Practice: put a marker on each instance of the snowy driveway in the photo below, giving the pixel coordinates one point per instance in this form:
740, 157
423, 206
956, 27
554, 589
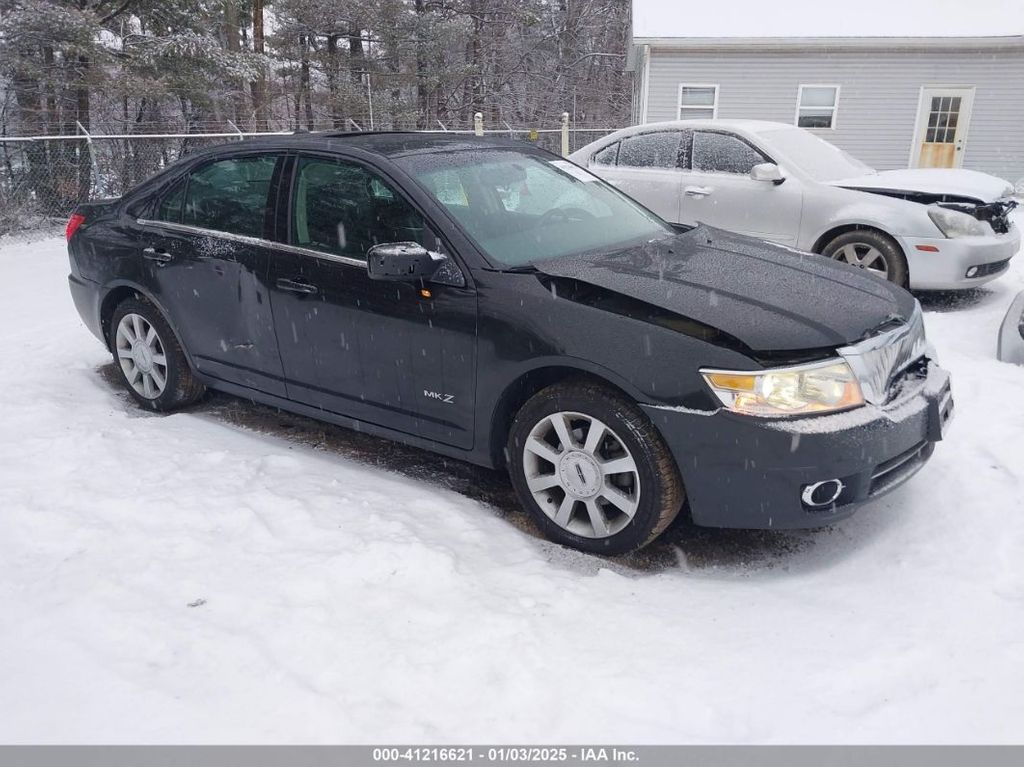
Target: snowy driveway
235, 575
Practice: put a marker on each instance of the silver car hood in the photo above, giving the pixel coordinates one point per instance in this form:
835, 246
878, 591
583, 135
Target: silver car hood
940, 181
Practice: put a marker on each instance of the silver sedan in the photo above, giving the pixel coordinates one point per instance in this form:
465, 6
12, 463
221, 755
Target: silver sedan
931, 229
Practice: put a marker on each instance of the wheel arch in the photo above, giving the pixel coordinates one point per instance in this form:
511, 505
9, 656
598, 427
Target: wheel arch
529, 382
116, 293
830, 234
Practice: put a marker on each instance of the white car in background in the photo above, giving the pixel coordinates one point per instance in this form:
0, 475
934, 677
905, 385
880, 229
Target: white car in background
929, 229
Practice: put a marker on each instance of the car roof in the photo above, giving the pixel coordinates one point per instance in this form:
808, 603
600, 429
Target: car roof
741, 127
384, 143
752, 126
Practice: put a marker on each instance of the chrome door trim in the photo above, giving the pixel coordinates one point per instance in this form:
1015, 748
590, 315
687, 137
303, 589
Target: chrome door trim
256, 241
301, 251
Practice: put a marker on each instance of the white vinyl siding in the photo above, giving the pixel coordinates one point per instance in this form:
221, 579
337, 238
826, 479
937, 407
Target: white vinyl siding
880, 96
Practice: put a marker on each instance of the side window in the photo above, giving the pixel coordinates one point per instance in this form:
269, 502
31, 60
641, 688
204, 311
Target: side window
346, 209
651, 150
606, 156
171, 204
230, 195
723, 153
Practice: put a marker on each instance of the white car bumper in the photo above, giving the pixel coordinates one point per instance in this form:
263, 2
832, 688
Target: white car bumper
938, 263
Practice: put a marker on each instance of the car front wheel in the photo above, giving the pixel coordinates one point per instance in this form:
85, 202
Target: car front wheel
149, 358
592, 470
871, 251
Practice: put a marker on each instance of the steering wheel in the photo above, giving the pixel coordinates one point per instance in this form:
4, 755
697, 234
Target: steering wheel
566, 214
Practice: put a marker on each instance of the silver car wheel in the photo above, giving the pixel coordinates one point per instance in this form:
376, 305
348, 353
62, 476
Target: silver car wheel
865, 256
141, 355
581, 474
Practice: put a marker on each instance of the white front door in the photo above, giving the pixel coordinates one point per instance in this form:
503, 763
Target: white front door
943, 117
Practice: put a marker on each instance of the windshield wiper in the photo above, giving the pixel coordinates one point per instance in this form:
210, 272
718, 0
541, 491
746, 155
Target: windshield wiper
525, 269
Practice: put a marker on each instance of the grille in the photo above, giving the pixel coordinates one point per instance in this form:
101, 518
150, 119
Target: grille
878, 360
894, 472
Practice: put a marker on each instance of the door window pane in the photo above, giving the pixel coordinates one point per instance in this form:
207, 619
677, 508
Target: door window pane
817, 106
942, 120
651, 150
724, 153
346, 209
230, 195
607, 155
170, 205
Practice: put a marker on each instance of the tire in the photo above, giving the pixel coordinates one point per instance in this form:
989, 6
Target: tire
560, 491
861, 245
136, 318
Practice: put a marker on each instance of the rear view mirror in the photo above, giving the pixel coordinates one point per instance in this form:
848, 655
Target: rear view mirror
402, 261
1011, 333
767, 171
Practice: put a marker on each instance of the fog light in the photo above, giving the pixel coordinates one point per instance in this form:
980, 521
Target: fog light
972, 271
822, 493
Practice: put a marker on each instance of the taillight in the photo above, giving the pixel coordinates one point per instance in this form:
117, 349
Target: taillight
76, 220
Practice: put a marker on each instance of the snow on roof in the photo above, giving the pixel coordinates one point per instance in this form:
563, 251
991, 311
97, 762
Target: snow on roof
792, 19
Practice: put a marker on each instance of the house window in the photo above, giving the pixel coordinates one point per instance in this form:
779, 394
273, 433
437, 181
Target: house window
816, 106
698, 102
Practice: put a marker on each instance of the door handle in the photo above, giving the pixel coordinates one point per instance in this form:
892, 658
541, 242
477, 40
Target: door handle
159, 256
697, 191
297, 286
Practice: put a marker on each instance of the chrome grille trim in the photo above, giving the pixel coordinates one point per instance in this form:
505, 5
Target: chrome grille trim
878, 360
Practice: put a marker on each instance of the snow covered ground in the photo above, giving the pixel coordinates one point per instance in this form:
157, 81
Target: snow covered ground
232, 574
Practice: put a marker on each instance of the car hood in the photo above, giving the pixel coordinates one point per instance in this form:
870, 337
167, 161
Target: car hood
941, 181
770, 298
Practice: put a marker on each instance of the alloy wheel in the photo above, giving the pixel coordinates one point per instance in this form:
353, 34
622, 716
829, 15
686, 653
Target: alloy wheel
865, 256
581, 474
141, 355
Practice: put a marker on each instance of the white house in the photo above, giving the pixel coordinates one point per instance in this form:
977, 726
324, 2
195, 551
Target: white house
898, 83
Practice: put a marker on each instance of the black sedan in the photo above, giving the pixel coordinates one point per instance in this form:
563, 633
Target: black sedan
492, 302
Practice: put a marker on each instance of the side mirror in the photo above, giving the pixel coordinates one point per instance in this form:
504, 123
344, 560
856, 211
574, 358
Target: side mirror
1011, 334
402, 262
767, 171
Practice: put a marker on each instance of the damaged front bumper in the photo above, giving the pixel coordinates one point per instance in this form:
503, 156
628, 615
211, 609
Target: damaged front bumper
756, 473
939, 263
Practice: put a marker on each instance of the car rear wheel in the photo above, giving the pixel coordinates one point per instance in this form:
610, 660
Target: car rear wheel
872, 251
592, 470
150, 359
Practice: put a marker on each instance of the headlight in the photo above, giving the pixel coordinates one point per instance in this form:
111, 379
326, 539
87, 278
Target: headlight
821, 387
955, 223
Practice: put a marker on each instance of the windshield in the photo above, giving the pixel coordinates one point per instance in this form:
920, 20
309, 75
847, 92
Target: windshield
816, 157
522, 208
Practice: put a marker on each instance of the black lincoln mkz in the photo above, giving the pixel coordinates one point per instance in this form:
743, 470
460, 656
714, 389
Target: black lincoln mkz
492, 302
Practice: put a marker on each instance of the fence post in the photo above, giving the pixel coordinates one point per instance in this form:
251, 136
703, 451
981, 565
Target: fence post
95, 183
565, 134
478, 124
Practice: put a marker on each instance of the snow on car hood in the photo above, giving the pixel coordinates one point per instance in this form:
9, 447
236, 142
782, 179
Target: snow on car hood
951, 181
769, 297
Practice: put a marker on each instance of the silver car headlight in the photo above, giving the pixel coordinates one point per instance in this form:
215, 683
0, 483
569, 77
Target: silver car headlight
820, 387
955, 223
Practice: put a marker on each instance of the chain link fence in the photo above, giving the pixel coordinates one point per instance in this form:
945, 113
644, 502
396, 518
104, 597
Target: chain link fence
43, 178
